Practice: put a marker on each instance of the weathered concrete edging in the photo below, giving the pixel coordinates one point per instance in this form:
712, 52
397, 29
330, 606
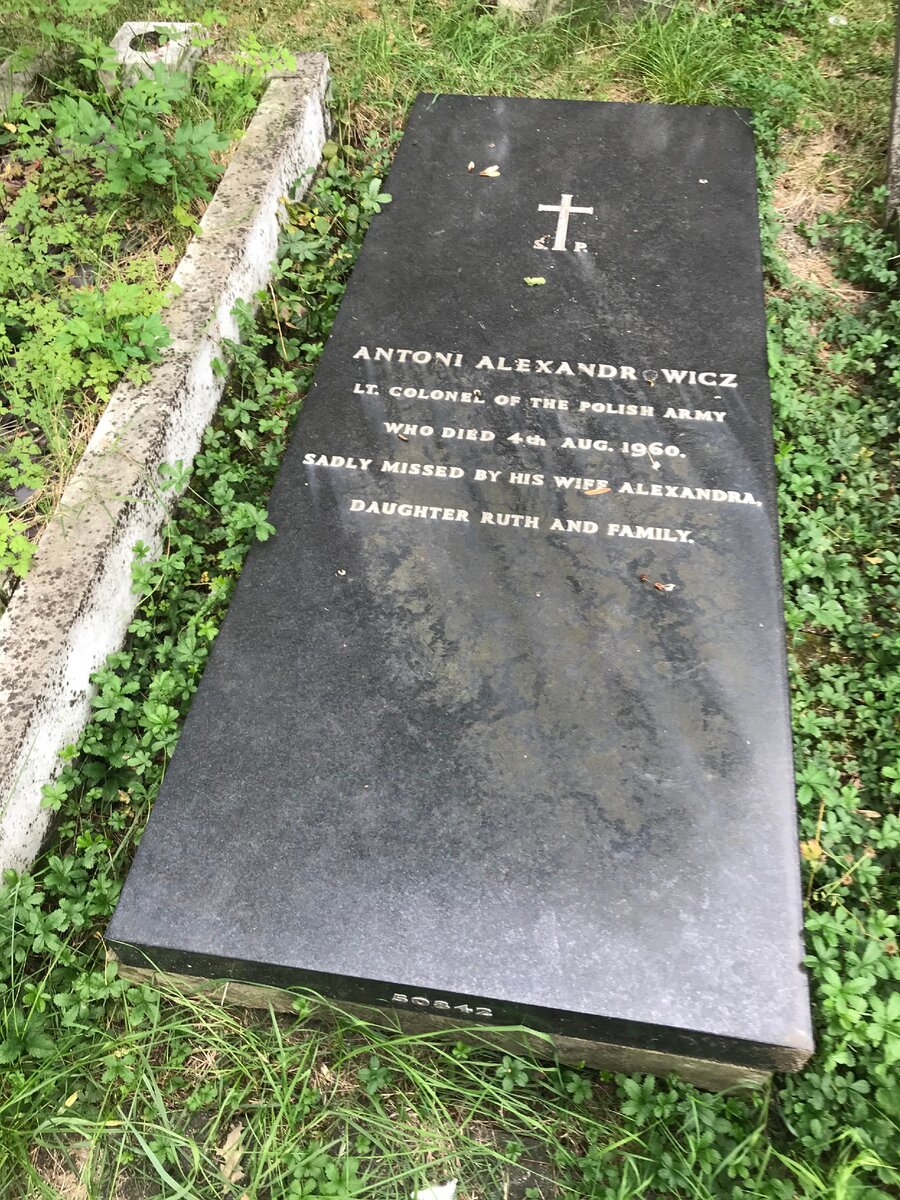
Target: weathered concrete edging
893, 172
76, 603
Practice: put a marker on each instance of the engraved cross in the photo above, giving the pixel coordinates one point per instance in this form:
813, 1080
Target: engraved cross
564, 208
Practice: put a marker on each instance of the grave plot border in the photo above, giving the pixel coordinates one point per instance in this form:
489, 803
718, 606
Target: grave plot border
75, 605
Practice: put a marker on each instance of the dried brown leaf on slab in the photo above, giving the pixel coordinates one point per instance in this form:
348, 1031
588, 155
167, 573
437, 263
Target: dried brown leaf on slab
597, 491
490, 172
470, 168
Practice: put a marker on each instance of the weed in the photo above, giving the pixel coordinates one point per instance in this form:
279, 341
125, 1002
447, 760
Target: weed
375, 1077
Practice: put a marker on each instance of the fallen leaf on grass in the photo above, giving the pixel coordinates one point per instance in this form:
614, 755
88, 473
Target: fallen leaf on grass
811, 850
230, 1154
490, 172
534, 280
598, 491
870, 813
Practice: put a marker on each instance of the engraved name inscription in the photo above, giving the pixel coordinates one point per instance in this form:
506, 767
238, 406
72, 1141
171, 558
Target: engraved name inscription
636, 469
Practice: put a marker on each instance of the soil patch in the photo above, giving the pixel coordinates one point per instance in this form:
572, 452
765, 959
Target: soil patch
812, 183
69, 1175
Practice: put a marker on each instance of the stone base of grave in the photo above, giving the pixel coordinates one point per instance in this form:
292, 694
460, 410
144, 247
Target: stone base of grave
542, 10
16, 80
602, 1056
536, 10
180, 52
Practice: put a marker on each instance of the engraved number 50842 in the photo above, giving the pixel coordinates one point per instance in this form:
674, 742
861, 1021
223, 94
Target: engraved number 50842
441, 1005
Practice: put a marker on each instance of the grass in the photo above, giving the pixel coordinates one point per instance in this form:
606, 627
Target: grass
325, 1105
115, 1090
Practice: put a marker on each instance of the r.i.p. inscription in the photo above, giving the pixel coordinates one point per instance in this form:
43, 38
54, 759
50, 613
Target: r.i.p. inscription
497, 726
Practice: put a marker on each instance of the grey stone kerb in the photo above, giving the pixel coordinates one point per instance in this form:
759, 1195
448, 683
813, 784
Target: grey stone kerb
894, 138
76, 603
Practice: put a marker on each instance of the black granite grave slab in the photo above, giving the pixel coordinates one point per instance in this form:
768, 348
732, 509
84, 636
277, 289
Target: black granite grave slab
497, 726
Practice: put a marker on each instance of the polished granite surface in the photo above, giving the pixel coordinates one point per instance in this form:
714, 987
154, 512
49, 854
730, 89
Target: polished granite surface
498, 724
